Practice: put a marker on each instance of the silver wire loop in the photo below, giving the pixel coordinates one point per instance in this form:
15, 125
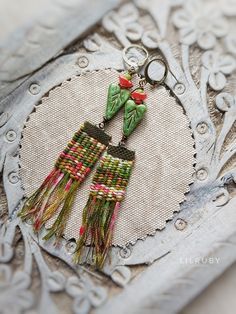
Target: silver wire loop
132, 62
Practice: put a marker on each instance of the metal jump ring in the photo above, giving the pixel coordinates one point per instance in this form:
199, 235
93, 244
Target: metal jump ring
134, 66
142, 82
156, 82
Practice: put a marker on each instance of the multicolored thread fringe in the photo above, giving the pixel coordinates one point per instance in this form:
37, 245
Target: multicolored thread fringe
58, 189
106, 193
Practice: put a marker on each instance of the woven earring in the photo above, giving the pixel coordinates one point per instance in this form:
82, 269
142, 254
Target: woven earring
73, 165
110, 181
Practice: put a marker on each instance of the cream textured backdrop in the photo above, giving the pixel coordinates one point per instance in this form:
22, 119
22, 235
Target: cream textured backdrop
163, 145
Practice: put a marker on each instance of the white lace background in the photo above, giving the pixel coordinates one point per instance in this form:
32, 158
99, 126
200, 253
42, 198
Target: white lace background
163, 145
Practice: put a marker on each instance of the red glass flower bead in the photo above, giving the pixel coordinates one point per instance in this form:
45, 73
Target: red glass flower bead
138, 96
125, 82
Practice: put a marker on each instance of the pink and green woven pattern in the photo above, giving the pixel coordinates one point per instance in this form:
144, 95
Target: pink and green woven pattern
106, 193
79, 156
58, 189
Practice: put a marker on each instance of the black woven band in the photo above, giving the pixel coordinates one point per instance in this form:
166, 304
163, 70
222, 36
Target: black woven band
121, 152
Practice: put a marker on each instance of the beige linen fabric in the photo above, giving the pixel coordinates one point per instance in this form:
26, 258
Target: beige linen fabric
163, 144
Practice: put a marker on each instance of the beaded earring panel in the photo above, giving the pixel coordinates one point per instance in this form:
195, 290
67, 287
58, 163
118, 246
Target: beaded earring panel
106, 193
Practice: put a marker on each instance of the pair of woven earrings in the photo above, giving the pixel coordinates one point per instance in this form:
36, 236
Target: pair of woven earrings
110, 180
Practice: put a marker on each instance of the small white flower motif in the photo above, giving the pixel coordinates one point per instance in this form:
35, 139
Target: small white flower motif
124, 22
200, 23
218, 66
154, 7
15, 298
85, 295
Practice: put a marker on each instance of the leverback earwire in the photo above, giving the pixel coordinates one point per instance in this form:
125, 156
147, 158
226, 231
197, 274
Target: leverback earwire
148, 79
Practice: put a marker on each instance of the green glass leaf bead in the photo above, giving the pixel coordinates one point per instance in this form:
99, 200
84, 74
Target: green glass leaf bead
133, 115
117, 97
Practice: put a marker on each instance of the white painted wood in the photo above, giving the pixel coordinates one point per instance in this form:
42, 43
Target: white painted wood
166, 286
41, 36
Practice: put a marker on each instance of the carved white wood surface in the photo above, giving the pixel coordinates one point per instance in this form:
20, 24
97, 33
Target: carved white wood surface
199, 243
28, 48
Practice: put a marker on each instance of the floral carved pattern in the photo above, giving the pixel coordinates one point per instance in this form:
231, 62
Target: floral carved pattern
200, 26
